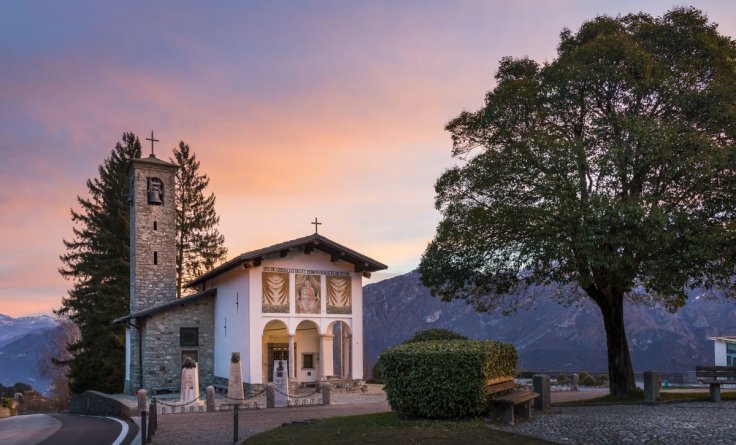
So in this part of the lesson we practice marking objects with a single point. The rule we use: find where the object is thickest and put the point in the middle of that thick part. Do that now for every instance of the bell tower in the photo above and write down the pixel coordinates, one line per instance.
(152, 232)
(152, 199)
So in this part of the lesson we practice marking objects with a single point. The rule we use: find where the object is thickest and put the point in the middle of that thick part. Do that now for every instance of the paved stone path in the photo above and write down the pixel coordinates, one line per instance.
(683, 423)
(217, 427)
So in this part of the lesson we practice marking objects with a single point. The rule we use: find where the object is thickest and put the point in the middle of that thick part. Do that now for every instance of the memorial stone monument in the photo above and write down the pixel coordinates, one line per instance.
(281, 383)
(235, 383)
(189, 393)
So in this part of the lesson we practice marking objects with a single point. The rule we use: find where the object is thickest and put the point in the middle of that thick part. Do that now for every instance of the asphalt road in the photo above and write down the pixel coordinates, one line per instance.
(65, 429)
(77, 429)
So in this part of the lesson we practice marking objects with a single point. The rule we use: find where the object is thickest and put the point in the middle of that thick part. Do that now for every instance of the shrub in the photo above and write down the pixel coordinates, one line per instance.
(603, 379)
(583, 374)
(525, 374)
(444, 379)
(435, 334)
(562, 379)
(376, 373)
(588, 380)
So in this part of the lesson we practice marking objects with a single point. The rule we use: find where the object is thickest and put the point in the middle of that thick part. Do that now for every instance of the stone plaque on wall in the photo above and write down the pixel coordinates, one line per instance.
(307, 294)
(275, 292)
(339, 297)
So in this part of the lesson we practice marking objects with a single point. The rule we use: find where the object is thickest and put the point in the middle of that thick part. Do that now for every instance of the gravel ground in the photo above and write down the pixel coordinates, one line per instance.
(683, 423)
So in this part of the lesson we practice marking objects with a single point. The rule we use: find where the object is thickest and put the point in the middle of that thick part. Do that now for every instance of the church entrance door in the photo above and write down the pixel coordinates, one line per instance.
(277, 351)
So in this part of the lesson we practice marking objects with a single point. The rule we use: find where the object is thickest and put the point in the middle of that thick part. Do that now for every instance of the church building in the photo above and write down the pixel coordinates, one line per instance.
(299, 300)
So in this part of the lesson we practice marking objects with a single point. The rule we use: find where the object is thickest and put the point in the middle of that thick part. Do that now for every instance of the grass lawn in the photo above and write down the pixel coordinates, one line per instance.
(387, 428)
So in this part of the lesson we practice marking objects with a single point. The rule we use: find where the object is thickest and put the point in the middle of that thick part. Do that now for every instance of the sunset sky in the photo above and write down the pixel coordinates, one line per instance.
(295, 109)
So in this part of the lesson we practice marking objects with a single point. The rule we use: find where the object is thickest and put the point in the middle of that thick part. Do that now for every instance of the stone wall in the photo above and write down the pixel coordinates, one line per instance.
(162, 350)
(98, 404)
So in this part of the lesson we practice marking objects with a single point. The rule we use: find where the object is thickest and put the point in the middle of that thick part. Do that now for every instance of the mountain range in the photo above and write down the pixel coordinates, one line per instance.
(24, 342)
(549, 336)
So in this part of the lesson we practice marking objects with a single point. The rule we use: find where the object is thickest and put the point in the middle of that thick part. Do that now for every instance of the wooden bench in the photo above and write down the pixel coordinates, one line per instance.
(505, 402)
(715, 376)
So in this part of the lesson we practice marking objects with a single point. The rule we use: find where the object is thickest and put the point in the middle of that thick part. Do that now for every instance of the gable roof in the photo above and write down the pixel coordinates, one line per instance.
(164, 306)
(307, 243)
(724, 339)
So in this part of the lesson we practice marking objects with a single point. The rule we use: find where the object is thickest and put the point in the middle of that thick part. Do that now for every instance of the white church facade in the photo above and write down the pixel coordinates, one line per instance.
(300, 301)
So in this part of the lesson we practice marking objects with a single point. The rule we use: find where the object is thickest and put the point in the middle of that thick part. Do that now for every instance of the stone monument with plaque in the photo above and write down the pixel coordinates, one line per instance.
(189, 393)
(281, 382)
(235, 382)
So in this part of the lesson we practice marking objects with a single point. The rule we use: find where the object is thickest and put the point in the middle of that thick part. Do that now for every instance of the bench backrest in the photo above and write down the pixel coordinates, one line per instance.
(714, 372)
(500, 386)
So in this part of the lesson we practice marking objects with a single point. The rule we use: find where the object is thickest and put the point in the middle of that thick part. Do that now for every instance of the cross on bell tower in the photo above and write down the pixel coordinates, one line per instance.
(152, 139)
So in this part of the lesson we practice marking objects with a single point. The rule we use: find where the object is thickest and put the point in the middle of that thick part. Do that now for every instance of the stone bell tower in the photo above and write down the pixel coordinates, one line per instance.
(152, 232)
(152, 253)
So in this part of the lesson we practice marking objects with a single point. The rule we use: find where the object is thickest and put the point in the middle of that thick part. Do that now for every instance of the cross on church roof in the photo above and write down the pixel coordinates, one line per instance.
(152, 141)
(316, 223)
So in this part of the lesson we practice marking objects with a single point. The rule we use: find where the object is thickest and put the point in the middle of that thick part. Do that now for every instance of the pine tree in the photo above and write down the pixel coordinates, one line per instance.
(97, 260)
(199, 245)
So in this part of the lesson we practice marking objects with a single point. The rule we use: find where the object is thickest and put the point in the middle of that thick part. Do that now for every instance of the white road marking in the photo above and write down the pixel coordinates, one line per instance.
(123, 433)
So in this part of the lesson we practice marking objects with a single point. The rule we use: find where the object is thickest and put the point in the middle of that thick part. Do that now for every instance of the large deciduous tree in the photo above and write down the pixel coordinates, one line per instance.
(608, 170)
(97, 261)
(199, 245)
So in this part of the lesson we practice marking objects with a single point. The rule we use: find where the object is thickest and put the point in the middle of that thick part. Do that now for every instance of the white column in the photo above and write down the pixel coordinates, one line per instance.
(292, 361)
(345, 348)
(349, 370)
(321, 357)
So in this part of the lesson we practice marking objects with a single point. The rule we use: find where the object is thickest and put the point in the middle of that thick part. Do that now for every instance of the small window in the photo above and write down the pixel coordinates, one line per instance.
(189, 337)
(307, 361)
(155, 258)
(155, 225)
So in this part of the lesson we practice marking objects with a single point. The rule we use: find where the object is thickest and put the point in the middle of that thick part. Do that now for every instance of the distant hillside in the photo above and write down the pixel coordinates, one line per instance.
(14, 328)
(23, 341)
(548, 336)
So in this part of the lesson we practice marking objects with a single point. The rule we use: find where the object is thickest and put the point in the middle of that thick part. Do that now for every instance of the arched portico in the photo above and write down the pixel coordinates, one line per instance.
(342, 348)
(275, 346)
(307, 353)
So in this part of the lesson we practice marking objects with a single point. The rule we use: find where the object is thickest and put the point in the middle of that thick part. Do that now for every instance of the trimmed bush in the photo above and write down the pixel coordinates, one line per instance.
(583, 374)
(588, 380)
(562, 379)
(435, 334)
(603, 379)
(444, 379)
(376, 373)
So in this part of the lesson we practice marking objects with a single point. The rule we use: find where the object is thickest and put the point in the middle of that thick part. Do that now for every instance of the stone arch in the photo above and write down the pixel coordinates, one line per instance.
(342, 348)
(308, 352)
(274, 346)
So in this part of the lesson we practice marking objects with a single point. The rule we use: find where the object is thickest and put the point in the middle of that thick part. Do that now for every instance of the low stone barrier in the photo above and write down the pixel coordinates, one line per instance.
(96, 403)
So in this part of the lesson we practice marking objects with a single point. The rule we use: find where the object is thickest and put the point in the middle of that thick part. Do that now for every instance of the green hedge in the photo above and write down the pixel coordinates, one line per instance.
(444, 379)
(436, 334)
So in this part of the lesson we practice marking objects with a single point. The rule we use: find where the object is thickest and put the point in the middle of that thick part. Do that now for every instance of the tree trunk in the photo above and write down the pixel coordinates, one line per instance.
(620, 369)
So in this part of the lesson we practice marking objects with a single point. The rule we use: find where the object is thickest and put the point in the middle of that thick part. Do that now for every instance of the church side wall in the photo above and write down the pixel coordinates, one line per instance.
(719, 349)
(162, 349)
(232, 310)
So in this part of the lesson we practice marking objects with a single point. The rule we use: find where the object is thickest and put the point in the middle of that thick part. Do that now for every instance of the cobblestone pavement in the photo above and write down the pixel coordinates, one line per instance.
(683, 423)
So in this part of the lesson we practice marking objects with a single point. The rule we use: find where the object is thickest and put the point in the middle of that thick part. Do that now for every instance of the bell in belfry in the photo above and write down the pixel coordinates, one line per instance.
(155, 191)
